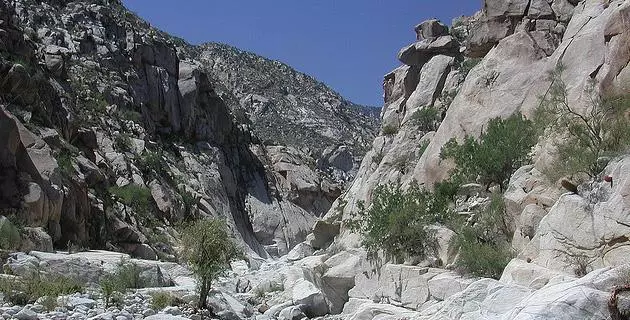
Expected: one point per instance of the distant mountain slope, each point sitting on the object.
(287, 107)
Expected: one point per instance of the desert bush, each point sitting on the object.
(127, 275)
(394, 225)
(152, 164)
(137, 197)
(161, 300)
(29, 288)
(10, 238)
(389, 129)
(122, 142)
(64, 160)
(110, 287)
(484, 248)
(588, 138)
(208, 249)
(427, 119)
(580, 264)
(503, 148)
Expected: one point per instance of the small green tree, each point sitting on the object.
(503, 148)
(589, 137)
(208, 249)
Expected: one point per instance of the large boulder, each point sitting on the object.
(338, 277)
(36, 239)
(431, 29)
(311, 299)
(88, 267)
(417, 54)
(406, 286)
(586, 230)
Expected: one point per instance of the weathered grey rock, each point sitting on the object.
(589, 226)
(446, 284)
(89, 266)
(405, 285)
(338, 279)
(323, 234)
(498, 8)
(36, 239)
(300, 252)
(530, 275)
(26, 314)
(291, 313)
(431, 29)
(539, 9)
(417, 54)
(371, 311)
(432, 77)
(485, 34)
(311, 299)
(562, 9)
(164, 317)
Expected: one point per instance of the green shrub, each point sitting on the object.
(484, 248)
(137, 197)
(208, 249)
(161, 300)
(394, 225)
(122, 142)
(503, 148)
(152, 164)
(390, 129)
(427, 119)
(31, 287)
(589, 138)
(49, 303)
(130, 115)
(110, 287)
(127, 275)
(10, 238)
(64, 160)
(480, 258)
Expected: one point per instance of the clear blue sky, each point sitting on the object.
(347, 44)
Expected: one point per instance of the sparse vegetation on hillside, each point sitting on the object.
(427, 119)
(137, 197)
(208, 249)
(127, 275)
(395, 224)
(499, 151)
(585, 139)
(27, 289)
(9, 236)
(389, 130)
(484, 248)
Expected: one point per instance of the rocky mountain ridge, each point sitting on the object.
(114, 132)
